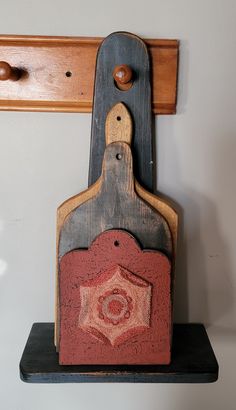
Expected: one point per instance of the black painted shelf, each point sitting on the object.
(193, 361)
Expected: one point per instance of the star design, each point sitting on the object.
(115, 306)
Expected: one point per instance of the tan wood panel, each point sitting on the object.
(119, 128)
(57, 73)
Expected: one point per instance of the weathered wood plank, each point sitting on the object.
(119, 128)
(116, 206)
(123, 49)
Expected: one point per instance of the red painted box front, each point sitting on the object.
(115, 303)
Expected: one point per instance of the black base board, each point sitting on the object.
(193, 361)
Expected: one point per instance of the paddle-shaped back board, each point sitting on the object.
(118, 49)
(115, 206)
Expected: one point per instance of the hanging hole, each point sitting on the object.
(118, 156)
(68, 74)
(116, 243)
(118, 118)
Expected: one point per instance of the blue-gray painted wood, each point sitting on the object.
(115, 206)
(123, 48)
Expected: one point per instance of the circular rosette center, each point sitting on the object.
(115, 306)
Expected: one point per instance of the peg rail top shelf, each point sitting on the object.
(40, 73)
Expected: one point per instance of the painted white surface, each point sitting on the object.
(44, 160)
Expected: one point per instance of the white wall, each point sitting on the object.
(44, 160)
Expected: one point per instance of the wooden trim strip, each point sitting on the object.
(46, 59)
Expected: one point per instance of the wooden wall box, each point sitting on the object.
(57, 73)
(79, 218)
(115, 263)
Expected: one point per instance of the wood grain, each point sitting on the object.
(62, 212)
(165, 209)
(123, 49)
(44, 62)
(118, 126)
(122, 131)
(116, 206)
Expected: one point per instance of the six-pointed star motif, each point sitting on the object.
(116, 307)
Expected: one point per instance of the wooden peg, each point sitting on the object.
(8, 73)
(123, 77)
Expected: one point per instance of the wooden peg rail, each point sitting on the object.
(56, 74)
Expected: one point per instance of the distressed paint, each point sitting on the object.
(123, 48)
(115, 206)
(90, 279)
(115, 305)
